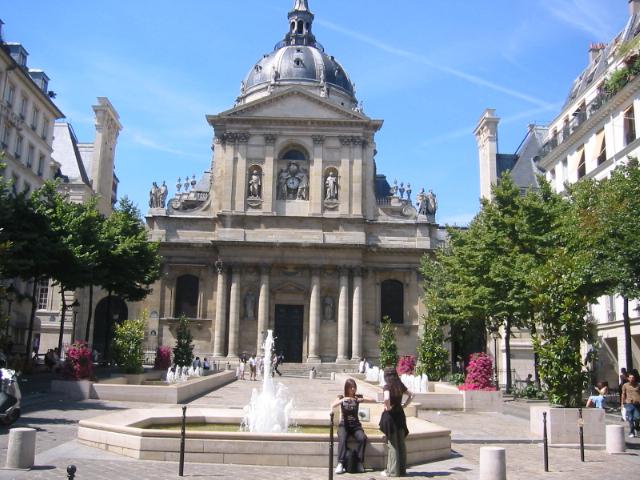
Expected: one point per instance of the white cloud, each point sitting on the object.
(589, 16)
(468, 77)
(147, 142)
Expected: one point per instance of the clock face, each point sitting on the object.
(293, 182)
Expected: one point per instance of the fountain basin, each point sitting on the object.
(127, 433)
(174, 393)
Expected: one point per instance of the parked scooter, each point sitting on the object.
(9, 397)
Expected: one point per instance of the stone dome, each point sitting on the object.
(299, 60)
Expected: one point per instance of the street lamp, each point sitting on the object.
(496, 336)
(74, 307)
(10, 295)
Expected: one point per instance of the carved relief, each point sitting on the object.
(328, 309)
(270, 139)
(318, 139)
(293, 183)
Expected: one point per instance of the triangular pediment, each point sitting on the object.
(288, 287)
(294, 103)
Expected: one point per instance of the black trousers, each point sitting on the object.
(343, 435)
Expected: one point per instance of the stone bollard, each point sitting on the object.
(312, 374)
(493, 463)
(21, 451)
(333, 376)
(615, 439)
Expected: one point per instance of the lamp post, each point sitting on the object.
(10, 296)
(74, 306)
(496, 336)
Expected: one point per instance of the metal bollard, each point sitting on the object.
(182, 440)
(545, 441)
(71, 472)
(581, 427)
(331, 446)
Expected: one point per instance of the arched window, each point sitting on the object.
(392, 301)
(186, 296)
(294, 154)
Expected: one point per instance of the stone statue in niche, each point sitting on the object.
(328, 310)
(250, 305)
(255, 185)
(293, 183)
(331, 186)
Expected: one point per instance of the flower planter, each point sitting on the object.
(482, 401)
(73, 389)
(562, 424)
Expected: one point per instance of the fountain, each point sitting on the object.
(415, 383)
(178, 374)
(269, 410)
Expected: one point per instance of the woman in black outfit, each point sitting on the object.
(393, 423)
(350, 424)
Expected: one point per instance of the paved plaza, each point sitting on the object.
(56, 422)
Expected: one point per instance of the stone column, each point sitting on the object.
(221, 311)
(234, 313)
(357, 183)
(343, 316)
(345, 176)
(314, 318)
(316, 195)
(263, 309)
(356, 345)
(241, 173)
(269, 172)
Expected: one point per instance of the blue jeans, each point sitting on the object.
(633, 415)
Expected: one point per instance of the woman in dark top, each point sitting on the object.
(393, 423)
(350, 424)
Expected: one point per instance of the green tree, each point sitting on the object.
(183, 351)
(387, 344)
(607, 213)
(127, 345)
(77, 226)
(432, 356)
(128, 263)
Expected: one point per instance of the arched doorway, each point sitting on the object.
(102, 328)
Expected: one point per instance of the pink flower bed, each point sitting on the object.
(163, 358)
(78, 363)
(479, 373)
(406, 365)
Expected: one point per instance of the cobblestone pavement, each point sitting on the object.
(56, 421)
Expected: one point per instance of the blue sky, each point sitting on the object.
(427, 68)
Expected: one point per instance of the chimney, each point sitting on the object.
(595, 49)
(634, 7)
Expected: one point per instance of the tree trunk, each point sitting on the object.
(507, 352)
(63, 313)
(32, 320)
(107, 334)
(88, 330)
(627, 333)
(536, 374)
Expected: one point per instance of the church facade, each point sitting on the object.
(291, 228)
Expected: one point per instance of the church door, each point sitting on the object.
(288, 332)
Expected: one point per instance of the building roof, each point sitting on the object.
(67, 154)
(600, 63)
(298, 59)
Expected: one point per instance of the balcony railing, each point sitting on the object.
(579, 117)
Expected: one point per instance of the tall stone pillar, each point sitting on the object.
(221, 310)
(263, 309)
(241, 172)
(356, 335)
(314, 318)
(234, 313)
(343, 316)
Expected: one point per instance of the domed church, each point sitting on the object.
(291, 228)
